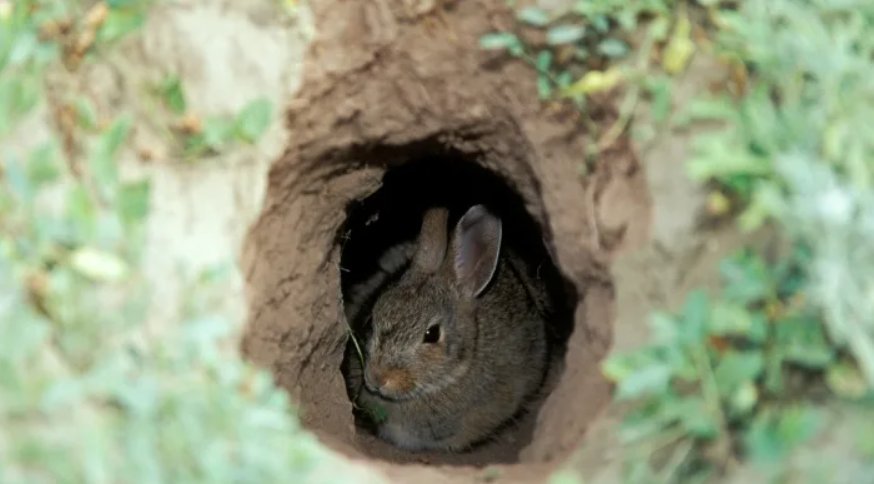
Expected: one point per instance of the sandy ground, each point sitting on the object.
(226, 54)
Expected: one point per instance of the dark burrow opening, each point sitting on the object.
(377, 226)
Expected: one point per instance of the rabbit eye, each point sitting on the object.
(432, 335)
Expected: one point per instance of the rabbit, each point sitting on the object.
(456, 344)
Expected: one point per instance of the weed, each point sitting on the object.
(89, 392)
(755, 372)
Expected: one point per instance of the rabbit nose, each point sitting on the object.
(388, 382)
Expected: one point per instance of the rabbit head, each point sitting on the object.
(423, 328)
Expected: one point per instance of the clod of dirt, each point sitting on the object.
(386, 83)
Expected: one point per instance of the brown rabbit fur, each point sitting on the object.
(457, 344)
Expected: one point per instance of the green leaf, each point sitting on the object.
(732, 319)
(664, 328)
(714, 160)
(736, 368)
(601, 23)
(660, 92)
(565, 34)
(544, 84)
(659, 28)
(23, 48)
(564, 80)
(544, 87)
(766, 202)
(102, 161)
(499, 41)
(747, 279)
(216, 134)
(86, 114)
(544, 61)
(24, 332)
(133, 201)
(18, 96)
(695, 315)
(67, 393)
(98, 265)
(694, 415)
(119, 23)
(16, 178)
(803, 341)
(174, 95)
(649, 419)
(710, 109)
(254, 120)
(533, 16)
(566, 476)
(81, 212)
(627, 18)
(775, 432)
(651, 379)
(773, 380)
(42, 166)
(613, 48)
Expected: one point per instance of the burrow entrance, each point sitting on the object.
(388, 121)
(435, 175)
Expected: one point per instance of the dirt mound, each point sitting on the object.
(387, 84)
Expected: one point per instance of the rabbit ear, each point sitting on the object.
(475, 248)
(431, 246)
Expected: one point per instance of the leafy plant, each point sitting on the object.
(739, 373)
(218, 133)
(23, 58)
(173, 95)
(589, 48)
(122, 17)
(798, 151)
(745, 374)
(89, 390)
(213, 134)
(83, 395)
(756, 373)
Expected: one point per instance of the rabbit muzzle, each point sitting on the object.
(390, 382)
